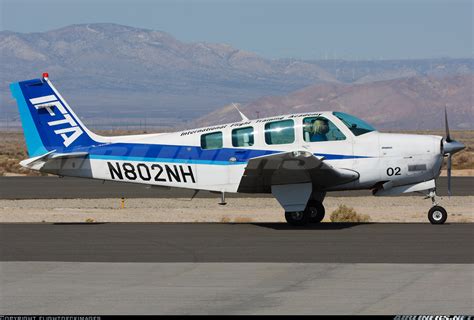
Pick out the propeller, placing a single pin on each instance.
(450, 147)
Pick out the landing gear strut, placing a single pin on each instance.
(437, 214)
(313, 213)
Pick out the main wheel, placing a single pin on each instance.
(316, 211)
(297, 218)
(437, 215)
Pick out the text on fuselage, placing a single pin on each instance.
(151, 172)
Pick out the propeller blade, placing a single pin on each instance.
(449, 174)
(448, 136)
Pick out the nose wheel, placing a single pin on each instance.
(437, 214)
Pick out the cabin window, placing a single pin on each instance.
(316, 129)
(242, 137)
(211, 140)
(280, 132)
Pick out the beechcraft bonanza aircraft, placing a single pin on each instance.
(298, 157)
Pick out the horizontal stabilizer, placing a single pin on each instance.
(52, 155)
(69, 155)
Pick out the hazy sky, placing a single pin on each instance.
(348, 29)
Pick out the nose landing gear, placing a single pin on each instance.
(437, 214)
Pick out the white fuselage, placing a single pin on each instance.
(400, 159)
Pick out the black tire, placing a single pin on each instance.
(297, 218)
(316, 211)
(437, 215)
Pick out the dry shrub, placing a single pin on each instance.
(463, 160)
(90, 220)
(347, 214)
(225, 219)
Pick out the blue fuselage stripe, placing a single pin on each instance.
(169, 160)
(186, 154)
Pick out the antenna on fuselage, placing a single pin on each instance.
(244, 118)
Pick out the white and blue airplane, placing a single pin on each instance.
(298, 158)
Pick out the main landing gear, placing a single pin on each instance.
(313, 213)
(437, 214)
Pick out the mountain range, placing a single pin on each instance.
(115, 75)
(412, 103)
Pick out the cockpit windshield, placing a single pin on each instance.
(356, 125)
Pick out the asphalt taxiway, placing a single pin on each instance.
(258, 242)
(144, 268)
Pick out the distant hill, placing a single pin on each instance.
(108, 67)
(117, 75)
(414, 103)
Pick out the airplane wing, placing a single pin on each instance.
(290, 168)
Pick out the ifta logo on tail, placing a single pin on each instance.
(48, 121)
(70, 133)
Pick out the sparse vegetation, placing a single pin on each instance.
(12, 151)
(90, 220)
(344, 213)
(225, 219)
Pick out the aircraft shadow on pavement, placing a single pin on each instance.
(316, 226)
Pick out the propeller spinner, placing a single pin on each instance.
(450, 147)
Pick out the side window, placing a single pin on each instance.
(211, 140)
(280, 132)
(320, 129)
(242, 137)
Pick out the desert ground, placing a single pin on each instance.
(393, 209)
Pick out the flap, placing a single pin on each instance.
(291, 168)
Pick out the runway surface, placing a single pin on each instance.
(204, 242)
(236, 269)
(234, 288)
(66, 188)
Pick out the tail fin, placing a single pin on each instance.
(48, 121)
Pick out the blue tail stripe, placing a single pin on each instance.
(45, 129)
(34, 144)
